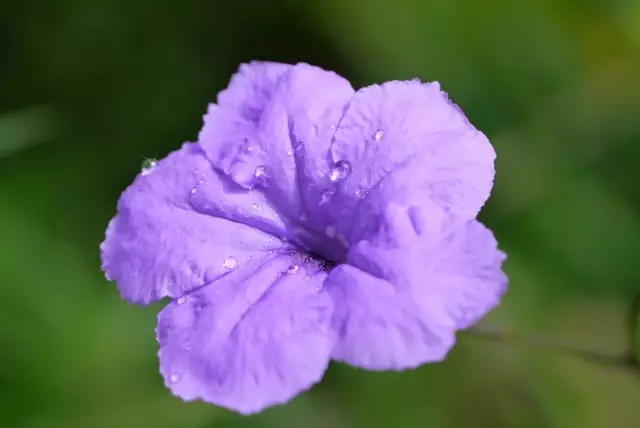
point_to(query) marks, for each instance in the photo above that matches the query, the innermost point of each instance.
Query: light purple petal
(423, 276)
(181, 225)
(232, 131)
(250, 342)
(251, 88)
(380, 327)
(450, 267)
(467, 273)
(410, 129)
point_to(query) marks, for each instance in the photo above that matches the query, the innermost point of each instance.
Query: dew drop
(259, 172)
(293, 269)
(378, 135)
(290, 152)
(194, 190)
(255, 206)
(181, 300)
(340, 171)
(361, 192)
(148, 166)
(326, 196)
(230, 263)
(175, 377)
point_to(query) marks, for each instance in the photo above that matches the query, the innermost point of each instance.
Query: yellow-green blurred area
(89, 89)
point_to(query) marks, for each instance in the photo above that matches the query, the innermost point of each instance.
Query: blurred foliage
(89, 89)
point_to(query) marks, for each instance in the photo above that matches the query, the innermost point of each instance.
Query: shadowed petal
(283, 149)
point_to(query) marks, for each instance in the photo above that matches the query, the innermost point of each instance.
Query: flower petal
(231, 132)
(181, 225)
(450, 267)
(469, 275)
(283, 149)
(405, 293)
(411, 126)
(252, 342)
(315, 101)
(378, 326)
(251, 88)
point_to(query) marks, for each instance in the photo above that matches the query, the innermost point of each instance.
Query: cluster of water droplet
(340, 171)
(259, 172)
(201, 178)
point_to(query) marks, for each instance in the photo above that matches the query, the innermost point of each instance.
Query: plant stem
(626, 362)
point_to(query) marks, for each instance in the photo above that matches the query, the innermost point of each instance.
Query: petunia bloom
(309, 222)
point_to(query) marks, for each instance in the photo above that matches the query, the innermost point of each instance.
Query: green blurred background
(88, 89)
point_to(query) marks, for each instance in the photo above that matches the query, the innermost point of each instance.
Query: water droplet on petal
(378, 135)
(147, 166)
(181, 300)
(259, 172)
(331, 231)
(290, 152)
(293, 269)
(361, 192)
(255, 206)
(340, 171)
(230, 263)
(326, 196)
(175, 377)
(194, 190)
(342, 240)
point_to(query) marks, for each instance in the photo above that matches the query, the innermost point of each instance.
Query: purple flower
(309, 222)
